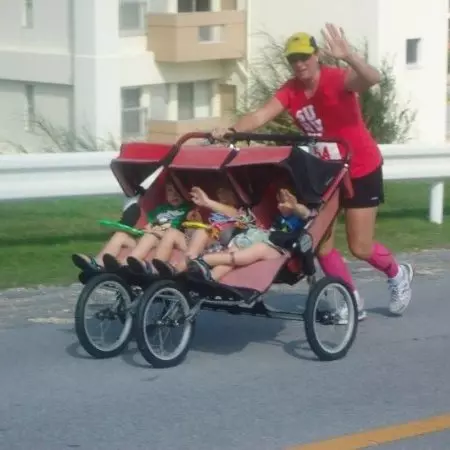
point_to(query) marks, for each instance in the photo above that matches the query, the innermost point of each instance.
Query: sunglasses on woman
(298, 57)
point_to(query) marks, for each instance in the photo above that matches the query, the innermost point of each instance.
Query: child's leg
(244, 257)
(223, 262)
(145, 244)
(200, 239)
(115, 245)
(197, 245)
(117, 242)
(172, 239)
(220, 271)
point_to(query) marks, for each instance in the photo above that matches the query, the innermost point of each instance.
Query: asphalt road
(247, 383)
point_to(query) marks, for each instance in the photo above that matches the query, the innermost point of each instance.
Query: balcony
(197, 36)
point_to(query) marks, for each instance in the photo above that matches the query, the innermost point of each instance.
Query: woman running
(323, 102)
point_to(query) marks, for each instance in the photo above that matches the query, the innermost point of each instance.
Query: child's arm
(151, 216)
(289, 201)
(194, 216)
(200, 198)
(221, 208)
(301, 211)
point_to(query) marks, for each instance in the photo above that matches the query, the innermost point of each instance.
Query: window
(203, 93)
(228, 5)
(185, 6)
(195, 100)
(228, 100)
(132, 17)
(202, 5)
(211, 33)
(30, 108)
(194, 6)
(159, 101)
(185, 101)
(158, 6)
(206, 33)
(412, 51)
(28, 14)
(134, 116)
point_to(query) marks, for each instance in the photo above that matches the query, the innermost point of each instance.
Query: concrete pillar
(172, 6)
(436, 214)
(172, 110)
(95, 71)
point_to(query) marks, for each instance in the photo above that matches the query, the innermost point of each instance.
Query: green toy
(121, 227)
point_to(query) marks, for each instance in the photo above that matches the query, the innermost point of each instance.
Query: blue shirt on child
(289, 223)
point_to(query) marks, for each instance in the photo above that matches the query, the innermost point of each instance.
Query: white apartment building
(155, 69)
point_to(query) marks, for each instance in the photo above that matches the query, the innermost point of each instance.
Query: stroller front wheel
(110, 300)
(164, 329)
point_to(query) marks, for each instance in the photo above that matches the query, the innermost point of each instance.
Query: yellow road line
(378, 436)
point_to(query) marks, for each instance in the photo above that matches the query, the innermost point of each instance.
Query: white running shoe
(343, 311)
(400, 287)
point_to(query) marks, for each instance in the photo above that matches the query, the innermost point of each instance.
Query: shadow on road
(225, 334)
(299, 349)
(379, 311)
(76, 351)
(131, 356)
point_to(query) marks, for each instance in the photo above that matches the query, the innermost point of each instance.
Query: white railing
(41, 175)
(70, 174)
(420, 162)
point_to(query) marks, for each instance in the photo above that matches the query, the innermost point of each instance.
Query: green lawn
(37, 237)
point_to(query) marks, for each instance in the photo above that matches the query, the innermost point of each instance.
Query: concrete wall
(78, 60)
(386, 25)
(54, 102)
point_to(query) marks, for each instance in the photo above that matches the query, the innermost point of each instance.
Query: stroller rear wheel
(331, 308)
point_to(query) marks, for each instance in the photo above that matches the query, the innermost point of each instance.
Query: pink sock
(333, 265)
(383, 260)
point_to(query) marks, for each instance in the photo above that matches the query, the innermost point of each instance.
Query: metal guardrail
(420, 162)
(48, 175)
(41, 175)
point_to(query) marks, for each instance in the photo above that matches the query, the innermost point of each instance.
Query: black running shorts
(368, 191)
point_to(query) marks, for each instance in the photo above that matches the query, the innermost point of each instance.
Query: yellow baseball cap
(302, 43)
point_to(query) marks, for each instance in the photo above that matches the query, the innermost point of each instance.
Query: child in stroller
(192, 243)
(169, 215)
(256, 244)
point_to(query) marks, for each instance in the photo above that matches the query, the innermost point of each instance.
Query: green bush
(387, 120)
